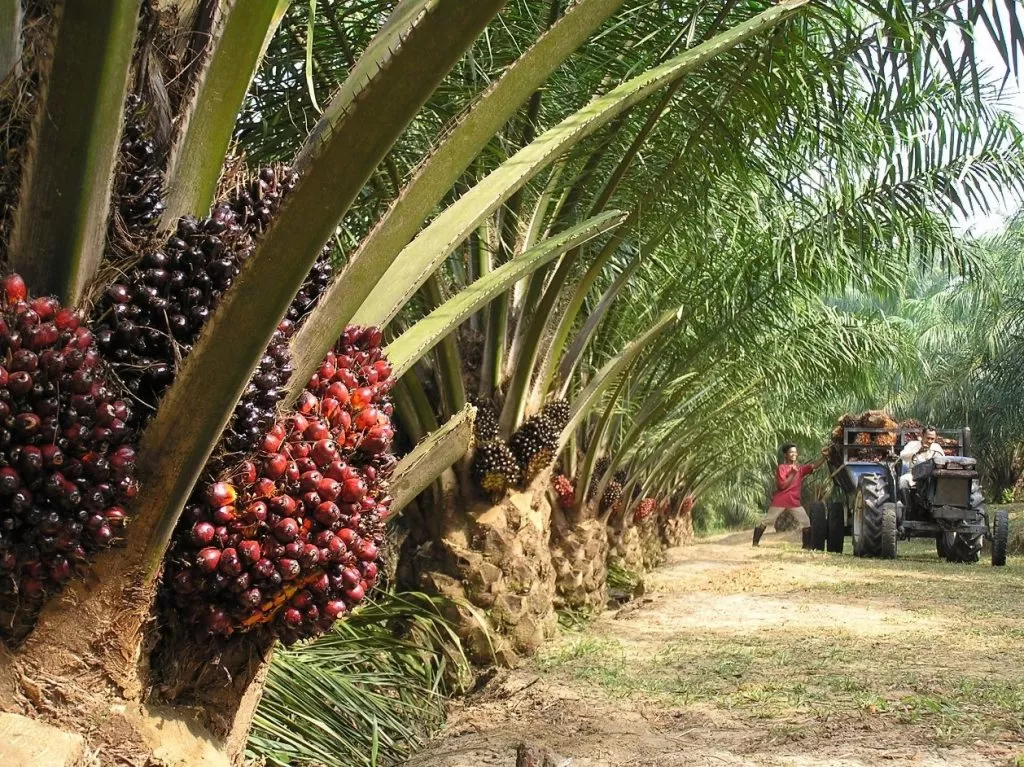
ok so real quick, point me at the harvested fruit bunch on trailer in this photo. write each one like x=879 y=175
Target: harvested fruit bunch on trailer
x=878 y=500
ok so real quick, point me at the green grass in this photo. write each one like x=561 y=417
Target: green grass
x=945 y=658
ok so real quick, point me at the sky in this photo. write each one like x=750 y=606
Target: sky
x=1013 y=96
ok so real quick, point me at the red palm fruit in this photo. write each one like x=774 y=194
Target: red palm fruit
x=255 y=513
x=348 y=536
x=224 y=515
x=103 y=536
x=302 y=599
x=338 y=471
x=328 y=488
x=320 y=585
x=286 y=530
x=336 y=547
x=307 y=403
x=249 y=551
x=14 y=289
x=311 y=499
x=366 y=552
x=306 y=464
x=275 y=466
x=247 y=473
x=327 y=514
x=293 y=473
x=294 y=549
x=367 y=418
x=115 y=515
x=329 y=409
x=10 y=481
x=310 y=556
x=288 y=568
x=273 y=439
x=250 y=599
x=353 y=490
x=230 y=564
x=350 y=576
x=292 y=617
x=221 y=494
x=369 y=570
x=265 y=488
x=284 y=505
x=298 y=423
x=309 y=480
x=355 y=593
x=325 y=452
x=334 y=609
x=317 y=430
x=67 y=319
x=362 y=398
x=300 y=450
x=208 y=559
x=263 y=568
x=339 y=392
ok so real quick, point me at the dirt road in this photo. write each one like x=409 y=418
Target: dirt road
x=772 y=656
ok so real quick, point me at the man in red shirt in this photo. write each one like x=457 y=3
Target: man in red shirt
x=789 y=479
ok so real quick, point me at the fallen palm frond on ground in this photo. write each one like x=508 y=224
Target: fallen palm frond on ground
x=367 y=693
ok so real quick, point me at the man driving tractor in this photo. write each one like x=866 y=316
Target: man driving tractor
x=789 y=479
x=918 y=451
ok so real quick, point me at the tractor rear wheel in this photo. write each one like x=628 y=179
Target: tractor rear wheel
x=1000 y=536
x=836 y=528
x=943 y=543
x=874 y=519
x=819 y=525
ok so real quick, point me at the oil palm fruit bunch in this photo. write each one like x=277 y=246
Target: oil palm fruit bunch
x=67 y=462
x=291 y=538
x=600 y=469
x=564 y=490
x=557 y=412
x=138 y=192
x=612 y=495
x=494 y=468
x=534 y=445
x=643 y=510
x=148 y=321
x=485 y=427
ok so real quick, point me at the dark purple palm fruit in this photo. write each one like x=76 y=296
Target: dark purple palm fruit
x=138 y=184
x=290 y=538
x=149 y=320
x=67 y=462
x=534 y=445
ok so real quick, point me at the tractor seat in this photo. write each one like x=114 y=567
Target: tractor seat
x=945 y=462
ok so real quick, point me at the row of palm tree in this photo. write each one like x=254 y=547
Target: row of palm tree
x=626 y=204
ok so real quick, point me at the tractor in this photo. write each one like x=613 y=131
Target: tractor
x=945 y=501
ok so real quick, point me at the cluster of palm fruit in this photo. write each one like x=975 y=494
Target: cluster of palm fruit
x=149 y=320
x=535 y=442
x=494 y=467
x=687 y=505
x=613 y=491
x=290 y=540
x=139 y=181
x=600 y=469
x=564 y=491
x=643 y=510
x=66 y=460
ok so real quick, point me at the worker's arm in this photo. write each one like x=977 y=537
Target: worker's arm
x=783 y=479
x=911 y=449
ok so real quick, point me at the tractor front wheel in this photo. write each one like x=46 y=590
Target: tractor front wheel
x=964 y=549
x=1000 y=537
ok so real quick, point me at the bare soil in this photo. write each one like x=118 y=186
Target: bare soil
x=771 y=656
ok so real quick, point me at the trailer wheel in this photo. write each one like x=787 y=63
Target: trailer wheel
x=1000 y=536
x=819 y=526
x=874 y=519
x=836 y=528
